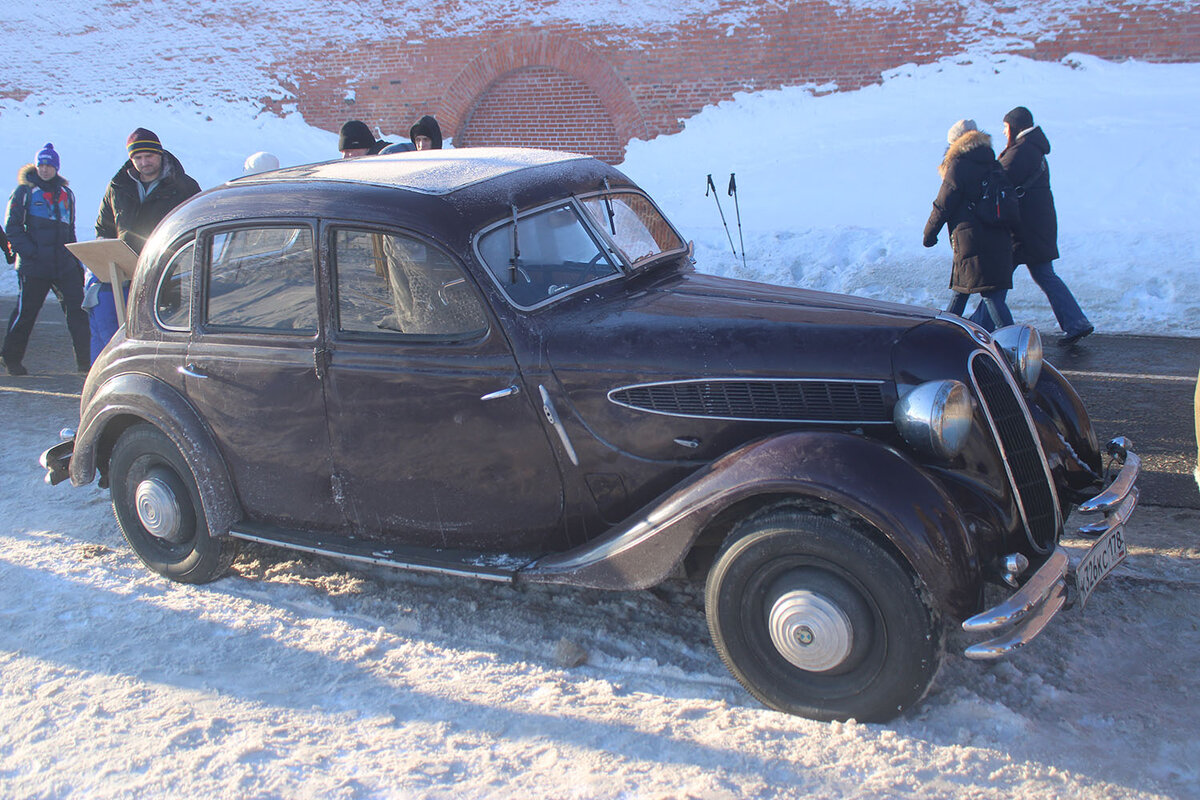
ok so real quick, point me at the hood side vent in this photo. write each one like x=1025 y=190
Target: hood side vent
x=800 y=400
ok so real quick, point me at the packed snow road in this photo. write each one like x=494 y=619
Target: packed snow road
x=303 y=677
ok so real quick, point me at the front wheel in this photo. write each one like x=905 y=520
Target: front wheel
x=815 y=619
x=158 y=508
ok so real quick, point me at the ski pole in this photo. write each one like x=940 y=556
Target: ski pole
x=733 y=192
x=722 y=213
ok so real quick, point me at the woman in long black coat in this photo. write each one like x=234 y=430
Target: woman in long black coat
x=982 y=253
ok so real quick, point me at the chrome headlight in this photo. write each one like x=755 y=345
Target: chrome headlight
x=935 y=417
x=1022 y=346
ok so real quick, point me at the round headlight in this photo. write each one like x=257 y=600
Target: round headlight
x=1022 y=346
x=935 y=417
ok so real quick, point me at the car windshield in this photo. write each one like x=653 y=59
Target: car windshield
x=548 y=253
x=637 y=228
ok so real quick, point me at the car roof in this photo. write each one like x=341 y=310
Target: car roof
x=433 y=172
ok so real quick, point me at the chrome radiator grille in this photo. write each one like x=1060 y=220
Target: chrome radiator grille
x=768 y=400
x=1026 y=467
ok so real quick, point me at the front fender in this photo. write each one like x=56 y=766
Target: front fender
x=878 y=484
x=132 y=397
x=1068 y=439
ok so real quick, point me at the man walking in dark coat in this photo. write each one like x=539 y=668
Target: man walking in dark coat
x=40 y=222
x=1035 y=241
x=146 y=187
x=982 y=253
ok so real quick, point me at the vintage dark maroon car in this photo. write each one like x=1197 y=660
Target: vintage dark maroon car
x=502 y=364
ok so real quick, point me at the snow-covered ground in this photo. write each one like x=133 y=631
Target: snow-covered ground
x=302 y=677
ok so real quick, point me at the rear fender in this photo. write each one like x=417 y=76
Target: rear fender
x=881 y=486
x=133 y=397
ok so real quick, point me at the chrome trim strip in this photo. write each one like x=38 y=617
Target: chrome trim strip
x=1030 y=597
x=1003 y=645
x=552 y=417
x=685 y=381
x=507 y=577
x=1006 y=371
x=1122 y=485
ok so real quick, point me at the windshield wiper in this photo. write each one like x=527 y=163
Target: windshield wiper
x=608 y=206
x=514 y=263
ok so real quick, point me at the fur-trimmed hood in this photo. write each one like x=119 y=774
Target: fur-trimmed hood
x=27 y=176
x=962 y=145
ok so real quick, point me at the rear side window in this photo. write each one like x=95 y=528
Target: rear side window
x=262 y=279
x=392 y=284
x=173 y=301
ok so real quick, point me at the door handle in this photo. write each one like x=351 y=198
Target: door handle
x=496 y=395
x=190 y=370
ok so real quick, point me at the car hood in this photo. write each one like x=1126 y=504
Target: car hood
x=692 y=326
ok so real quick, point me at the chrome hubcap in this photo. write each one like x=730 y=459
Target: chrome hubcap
x=158 y=510
x=809 y=630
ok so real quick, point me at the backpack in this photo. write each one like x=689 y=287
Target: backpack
x=998 y=205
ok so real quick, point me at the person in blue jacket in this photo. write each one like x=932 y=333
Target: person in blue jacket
x=39 y=223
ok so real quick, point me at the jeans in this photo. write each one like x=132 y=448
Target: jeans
x=991 y=312
x=1066 y=310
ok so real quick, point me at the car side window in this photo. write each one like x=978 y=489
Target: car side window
x=388 y=283
x=262 y=279
x=173 y=301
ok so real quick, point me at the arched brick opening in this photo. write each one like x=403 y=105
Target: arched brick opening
x=542 y=107
x=519 y=68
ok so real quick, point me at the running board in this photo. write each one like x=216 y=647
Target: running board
x=500 y=568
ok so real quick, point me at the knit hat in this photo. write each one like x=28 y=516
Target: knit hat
x=47 y=155
x=1019 y=119
x=427 y=126
x=260 y=162
x=143 y=140
x=356 y=135
x=959 y=128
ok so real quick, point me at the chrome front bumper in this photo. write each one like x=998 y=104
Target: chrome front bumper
x=1023 y=615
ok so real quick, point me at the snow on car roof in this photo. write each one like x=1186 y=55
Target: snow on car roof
x=428 y=172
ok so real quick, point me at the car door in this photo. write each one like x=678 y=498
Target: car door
x=435 y=439
x=251 y=372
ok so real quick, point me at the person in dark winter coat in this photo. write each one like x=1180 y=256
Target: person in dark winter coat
x=1035 y=240
x=426 y=134
x=982 y=253
x=39 y=223
x=144 y=190
x=9 y=255
x=355 y=139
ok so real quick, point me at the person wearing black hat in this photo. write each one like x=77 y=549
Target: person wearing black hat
x=426 y=134
x=40 y=222
x=356 y=139
x=144 y=190
x=1035 y=239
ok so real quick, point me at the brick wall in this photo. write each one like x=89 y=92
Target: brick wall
x=589 y=90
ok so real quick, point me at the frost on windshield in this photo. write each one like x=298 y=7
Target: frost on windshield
x=634 y=224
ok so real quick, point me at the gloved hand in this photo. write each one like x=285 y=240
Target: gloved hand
x=930 y=239
x=9 y=255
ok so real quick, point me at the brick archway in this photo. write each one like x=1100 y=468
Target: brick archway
x=517 y=63
x=542 y=107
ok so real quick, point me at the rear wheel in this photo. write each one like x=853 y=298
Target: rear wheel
x=815 y=619
x=158 y=508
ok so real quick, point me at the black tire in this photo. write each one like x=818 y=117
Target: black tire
x=858 y=640
x=180 y=548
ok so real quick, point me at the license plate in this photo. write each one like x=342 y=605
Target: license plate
x=1103 y=557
